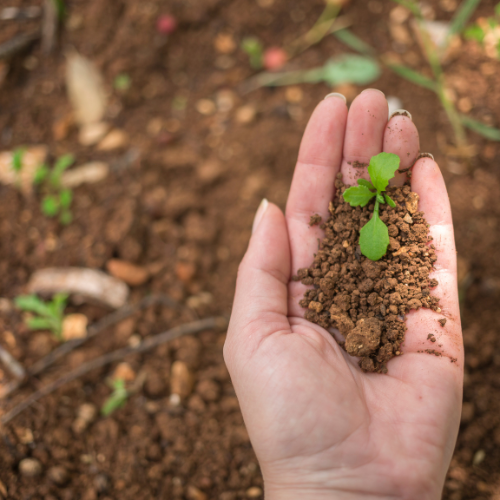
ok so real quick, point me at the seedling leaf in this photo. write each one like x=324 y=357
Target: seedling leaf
x=17 y=159
x=462 y=16
x=117 y=399
x=41 y=174
x=32 y=303
x=65 y=198
x=50 y=206
x=358 y=196
x=61 y=165
x=475 y=32
x=364 y=182
x=382 y=168
x=390 y=201
x=480 y=128
x=413 y=76
x=253 y=47
x=374 y=238
x=38 y=323
x=351 y=68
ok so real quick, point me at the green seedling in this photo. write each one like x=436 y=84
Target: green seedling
x=47 y=315
x=17 y=159
x=122 y=82
x=254 y=49
x=57 y=199
x=486 y=32
x=117 y=399
x=374 y=235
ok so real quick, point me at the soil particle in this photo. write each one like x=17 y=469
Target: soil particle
x=315 y=220
x=30 y=467
x=431 y=337
x=58 y=475
x=359 y=164
x=365 y=300
x=442 y=321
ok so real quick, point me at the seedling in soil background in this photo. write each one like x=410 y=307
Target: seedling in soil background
x=117 y=399
x=253 y=47
x=486 y=31
x=122 y=82
x=374 y=235
x=47 y=315
x=57 y=200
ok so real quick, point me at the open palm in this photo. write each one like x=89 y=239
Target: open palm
x=321 y=428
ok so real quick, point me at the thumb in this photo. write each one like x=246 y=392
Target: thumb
x=260 y=302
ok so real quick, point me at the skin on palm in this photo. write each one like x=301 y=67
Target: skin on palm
x=317 y=423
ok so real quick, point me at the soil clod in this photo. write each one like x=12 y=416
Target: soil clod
x=365 y=300
x=442 y=321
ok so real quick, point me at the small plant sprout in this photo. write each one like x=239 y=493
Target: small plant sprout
x=374 y=235
x=122 y=82
x=57 y=200
x=117 y=399
x=47 y=315
x=17 y=159
x=253 y=47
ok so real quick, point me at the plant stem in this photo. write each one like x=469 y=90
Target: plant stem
x=377 y=204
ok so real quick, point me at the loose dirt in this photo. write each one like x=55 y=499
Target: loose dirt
x=365 y=300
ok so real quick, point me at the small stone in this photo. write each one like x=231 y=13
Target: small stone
x=114 y=140
x=224 y=43
x=205 y=107
x=58 y=475
x=30 y=467
x=194 y=493
x=209 y=171
x=89 y=173
x=294 y=95
x=74 y=326
x=181 y=379
x=124 y=372
x=412 y=202
x=246 y=114
x=87 y=412
x=174 y=400
x=130 y=273
x=92 y=133
x=185 y=271
x=479 y=457
x=407 y=218
x=254 y=492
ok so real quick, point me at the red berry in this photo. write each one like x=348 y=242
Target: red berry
x=274 y=58
x=166 y=24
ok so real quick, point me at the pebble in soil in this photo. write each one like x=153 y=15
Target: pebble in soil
x=367 y=301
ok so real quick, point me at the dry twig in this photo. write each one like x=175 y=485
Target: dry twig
x=146 y=345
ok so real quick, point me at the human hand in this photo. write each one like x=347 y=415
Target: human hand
x=321 y=428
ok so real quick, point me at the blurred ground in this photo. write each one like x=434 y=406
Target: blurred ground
x=179 y=201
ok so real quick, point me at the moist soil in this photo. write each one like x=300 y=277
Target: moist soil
x=179 y=201
x=367 y=301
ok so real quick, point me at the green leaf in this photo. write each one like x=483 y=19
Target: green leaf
x=348 y=38
x=374 y=238
x=475 y=32
x=41 y=174
x=351 y=68
x=122 y=82
x=462 y=16
x=117 y=399
x=358 y=196
x=32 y=303
x=50 y=206
x=364 y=182
x=253 y=47
x=382 y=168
x=413 y=76
x=61 y=165
x=40 y=323
x=380 y=198
x=65 y=198
x=17 y=159
x=390 y=201
x=58 y=304
x=491 y=133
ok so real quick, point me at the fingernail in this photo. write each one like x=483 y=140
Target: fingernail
x=426 y=155
x=401 y=112
x=369 y=90
x=335 y=94
x=259 y=214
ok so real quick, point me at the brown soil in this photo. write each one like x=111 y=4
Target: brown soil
x=365 y=300
x=179 y=202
